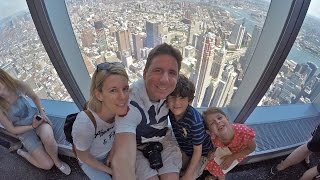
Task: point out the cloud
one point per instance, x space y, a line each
314 8
7 8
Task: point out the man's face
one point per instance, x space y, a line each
161 77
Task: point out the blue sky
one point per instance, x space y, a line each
9 7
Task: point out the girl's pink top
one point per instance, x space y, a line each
243 135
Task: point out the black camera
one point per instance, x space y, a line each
152 151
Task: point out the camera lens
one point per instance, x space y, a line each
155 160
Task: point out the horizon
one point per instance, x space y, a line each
9 8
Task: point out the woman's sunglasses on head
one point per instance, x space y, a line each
108 65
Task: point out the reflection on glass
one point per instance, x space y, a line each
299 80
22 54
217 38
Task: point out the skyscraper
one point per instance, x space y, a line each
123 40
246 39
208 95
195 40
315 89
87 38
137 41
101 36
194 28
189 51
236 36
306 70
245 60
225 87
153 30
204 56
218 62
314 68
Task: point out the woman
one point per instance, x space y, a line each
19 117
109 94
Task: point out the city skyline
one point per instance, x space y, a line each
217 43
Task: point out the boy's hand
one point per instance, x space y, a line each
226 161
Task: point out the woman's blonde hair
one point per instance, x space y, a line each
98 78
12 85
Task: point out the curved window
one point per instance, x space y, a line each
217 39
22 53
298 80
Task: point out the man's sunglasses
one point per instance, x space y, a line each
107 65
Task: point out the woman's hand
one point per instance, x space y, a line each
227 161
45 118
36 123
109 157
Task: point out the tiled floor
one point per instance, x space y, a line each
13 166
261 170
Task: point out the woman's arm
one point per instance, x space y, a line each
7 124
87 158
36 100
30 93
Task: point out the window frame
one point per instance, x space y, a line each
282 24
281 27
54 27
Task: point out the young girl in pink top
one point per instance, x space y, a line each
238 138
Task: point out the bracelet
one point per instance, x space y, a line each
32 126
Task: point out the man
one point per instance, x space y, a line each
146 121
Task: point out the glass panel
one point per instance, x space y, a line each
22 53
216 38
298 80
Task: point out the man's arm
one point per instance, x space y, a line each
124 158
194 162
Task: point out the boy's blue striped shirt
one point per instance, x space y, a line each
189 131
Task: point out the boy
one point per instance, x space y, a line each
188 127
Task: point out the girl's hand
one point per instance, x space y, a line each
45 118
226 161
211 155
36 123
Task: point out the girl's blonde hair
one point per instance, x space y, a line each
211 110
12 85
97 82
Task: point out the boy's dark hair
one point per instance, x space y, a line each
164 49
184 88
211 110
